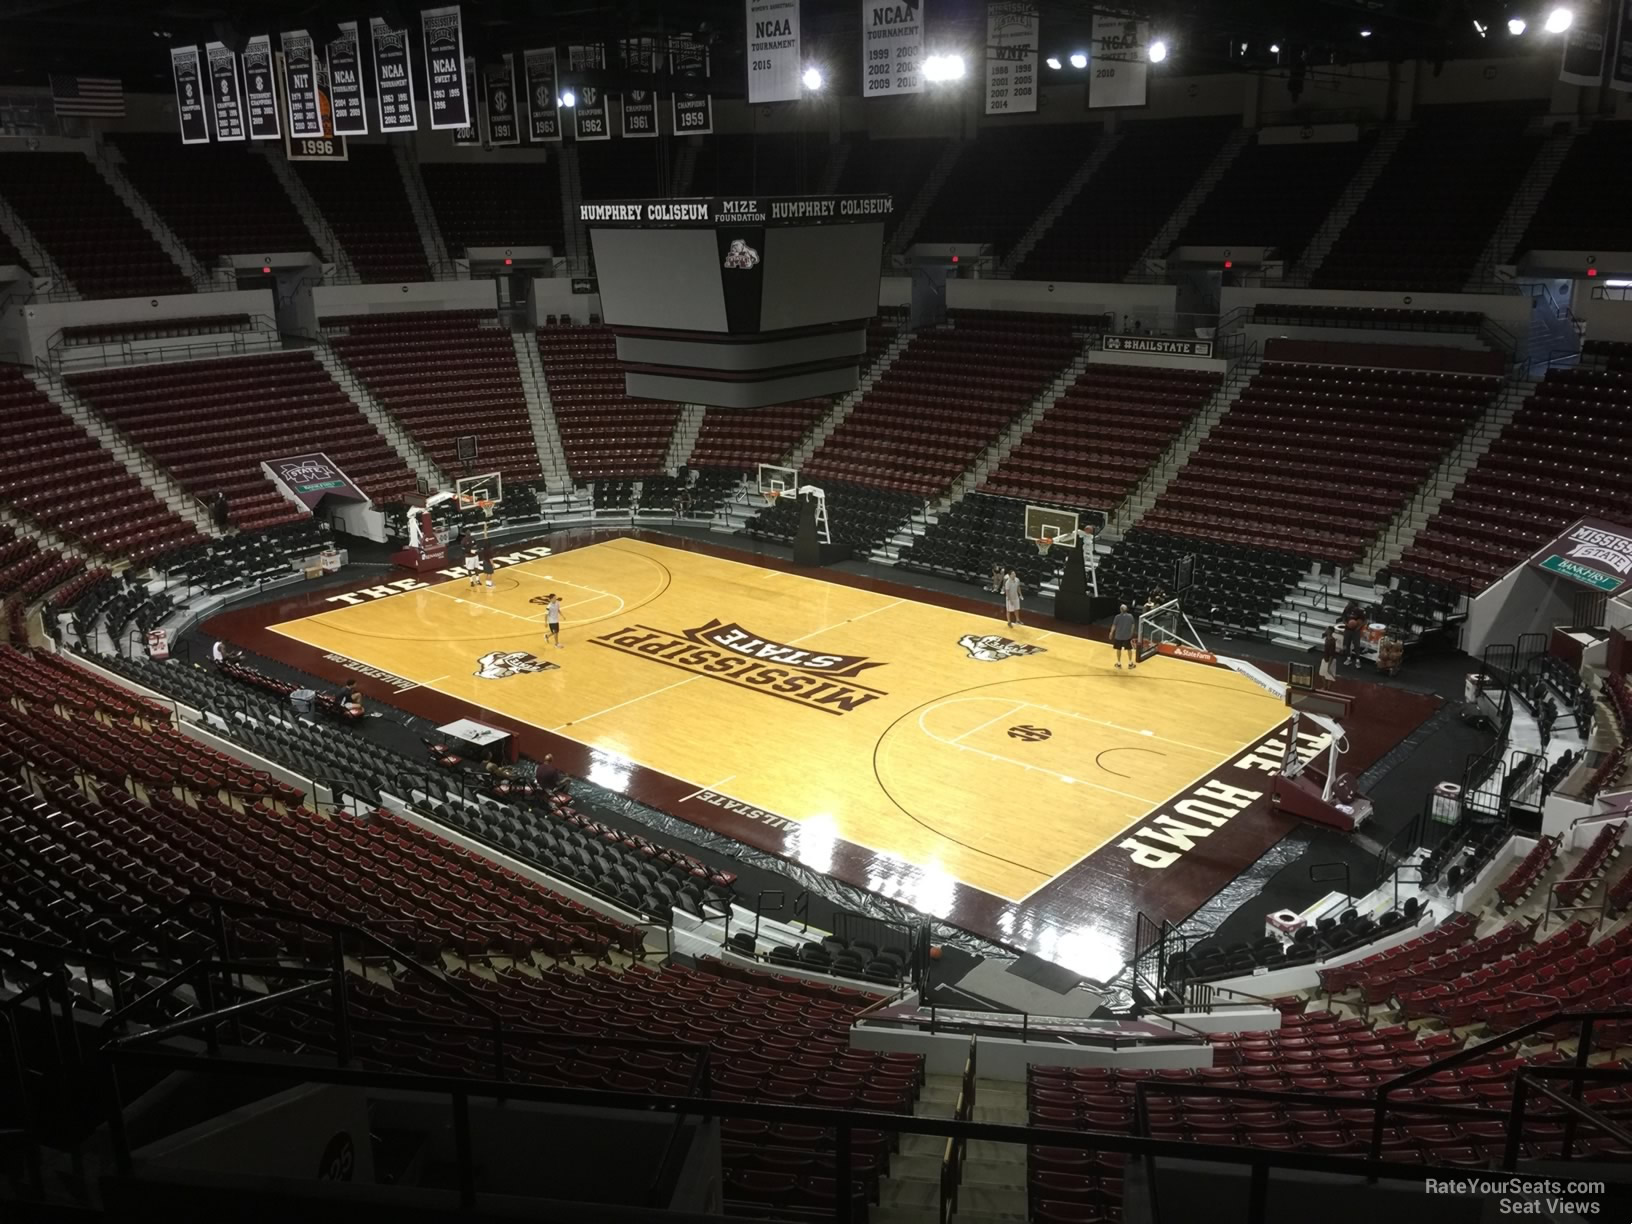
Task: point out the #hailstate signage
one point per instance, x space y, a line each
311 478
1011 57
773 51
1154 344
1593 552
892 47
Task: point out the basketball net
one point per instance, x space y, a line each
771 495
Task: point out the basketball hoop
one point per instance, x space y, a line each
771 496
484 504
1044 543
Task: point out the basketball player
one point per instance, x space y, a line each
1011 599
1122 638
552 618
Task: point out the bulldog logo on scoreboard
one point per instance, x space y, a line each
741 255
990 648
501 664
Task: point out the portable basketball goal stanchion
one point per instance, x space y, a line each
1048 527
482 495
1331 801
776 482
1167 625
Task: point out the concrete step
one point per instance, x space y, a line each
904 1215
932 1108
979 1149
1011 1114
984 1217
923 1167
991 1200
1006 1174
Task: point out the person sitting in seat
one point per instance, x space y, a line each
352 702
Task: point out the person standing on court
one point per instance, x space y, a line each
1011 599
1122 628
552 618
1354 623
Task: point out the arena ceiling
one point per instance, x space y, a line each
128 38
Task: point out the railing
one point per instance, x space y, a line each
261 326
957 1148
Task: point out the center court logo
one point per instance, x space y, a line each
501 664
990 648
818 680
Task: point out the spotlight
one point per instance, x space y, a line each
812 78
1243 48
1158 51
568 99
1559 20
1053 62
1079 59
1365 33
1480 28
943 68
1274 48
1516 26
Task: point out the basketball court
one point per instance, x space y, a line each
989 758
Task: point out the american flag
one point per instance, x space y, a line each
97 96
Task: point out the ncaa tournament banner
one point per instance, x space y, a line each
773 51
346 83
1584 45
471 134
195 123
300 84
1119 67
693 113
543 94
1011 57
226 97
393 78
639 106
502 127
589 120
1620 71
447 78
892 47
260 93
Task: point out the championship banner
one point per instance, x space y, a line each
195 122
470 135
1584 45
226 95
589 120
639 106
1594 553
502 125
346 83
1011 57
1120 62
543 94
693 113
1620 64
773 51
393 78
260 93
300 84
326 146
892 47
447 71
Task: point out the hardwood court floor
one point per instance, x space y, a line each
901 726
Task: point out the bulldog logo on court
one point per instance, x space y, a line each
499 664
741 255
990 648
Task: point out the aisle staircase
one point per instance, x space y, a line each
914 216
1555 147
102 158
1314 254
686 429
1162 472
992 1187
552 459
419 203
328 242
379 416
1165 237
129 455
1073 187
38 258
